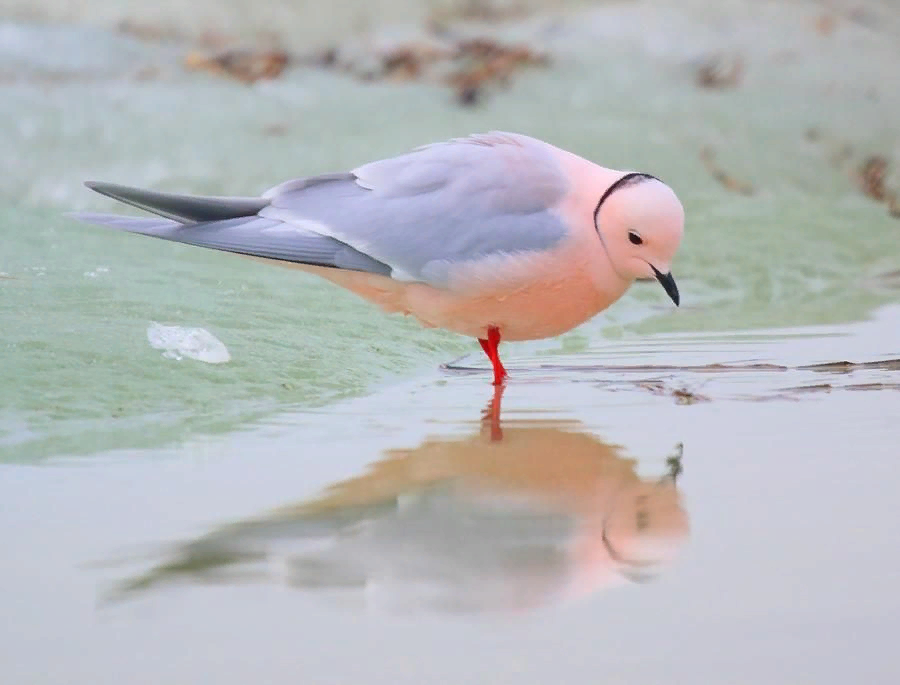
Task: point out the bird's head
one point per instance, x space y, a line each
640 222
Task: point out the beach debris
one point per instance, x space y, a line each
685 396
404 64
681 395
847 367
871 176
821 387
485 62
409 61
247 66
720 71
467 65
178 342
667 368
828 387
735 185
870 173
872 386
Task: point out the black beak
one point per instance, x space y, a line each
668 284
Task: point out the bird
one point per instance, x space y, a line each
495 236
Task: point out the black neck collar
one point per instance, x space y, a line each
627 179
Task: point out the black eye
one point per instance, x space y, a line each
635 238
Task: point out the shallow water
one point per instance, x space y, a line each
397 538
328 504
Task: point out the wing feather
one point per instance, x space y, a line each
441 205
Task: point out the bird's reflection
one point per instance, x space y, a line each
506 517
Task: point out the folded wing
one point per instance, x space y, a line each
437 207
413 217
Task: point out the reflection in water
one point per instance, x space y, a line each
496 520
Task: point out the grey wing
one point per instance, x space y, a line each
436 207
252 235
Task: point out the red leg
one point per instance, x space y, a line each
490 348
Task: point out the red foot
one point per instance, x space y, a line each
490 349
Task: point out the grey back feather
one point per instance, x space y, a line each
438 206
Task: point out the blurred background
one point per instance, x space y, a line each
153 392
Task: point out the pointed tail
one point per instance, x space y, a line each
181 208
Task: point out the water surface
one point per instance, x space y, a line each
609 528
